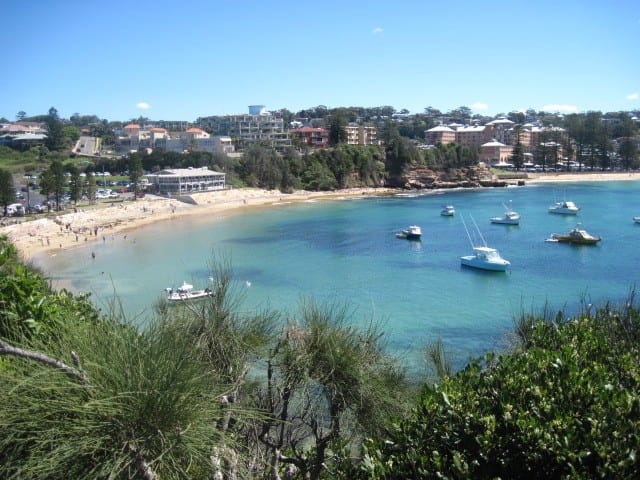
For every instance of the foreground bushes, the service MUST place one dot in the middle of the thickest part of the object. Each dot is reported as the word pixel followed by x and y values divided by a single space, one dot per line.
pixel 566 404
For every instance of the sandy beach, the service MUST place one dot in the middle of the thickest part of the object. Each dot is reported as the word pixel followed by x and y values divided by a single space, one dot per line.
pixel 92 223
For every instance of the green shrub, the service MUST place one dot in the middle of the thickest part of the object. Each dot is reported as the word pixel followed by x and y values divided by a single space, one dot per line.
pixel 565 405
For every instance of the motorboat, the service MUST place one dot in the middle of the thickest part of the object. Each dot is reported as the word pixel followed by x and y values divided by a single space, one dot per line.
pixel 414 232
pixel 510 217
pixel 578 236
pixel 186 292
pixel 483 257
pixel 448 211
pixel 636 219
pixel 564 208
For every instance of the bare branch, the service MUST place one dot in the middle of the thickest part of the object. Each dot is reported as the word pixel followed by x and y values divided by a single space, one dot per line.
pixel 7 349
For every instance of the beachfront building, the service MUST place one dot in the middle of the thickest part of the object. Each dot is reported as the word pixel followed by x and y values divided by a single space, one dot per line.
pixel 185 181
pixel 495 152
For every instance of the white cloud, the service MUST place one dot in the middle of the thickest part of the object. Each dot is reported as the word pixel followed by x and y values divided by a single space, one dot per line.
pixel 143 106
pixel 557 107
pixel 377 31
pixel 479 106
pixel 633 96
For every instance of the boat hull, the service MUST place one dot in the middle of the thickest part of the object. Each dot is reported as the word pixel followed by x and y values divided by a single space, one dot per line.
pixel 562 211
pixel 505 221
pixel 472 262
pixel 576 241
pixel 190 295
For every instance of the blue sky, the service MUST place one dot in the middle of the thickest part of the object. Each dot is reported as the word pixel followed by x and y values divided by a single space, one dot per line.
pixel 175 60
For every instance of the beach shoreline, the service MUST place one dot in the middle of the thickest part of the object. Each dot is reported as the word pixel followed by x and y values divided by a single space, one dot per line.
pixel 85 224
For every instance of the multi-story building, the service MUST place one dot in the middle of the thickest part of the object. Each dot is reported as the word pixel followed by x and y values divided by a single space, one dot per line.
pixel 313 137
pixel 259 126
pixel 472 136
pixel 440 134
pixel 134 138
pixel 361 135
pixel 495 152
pixel 499 129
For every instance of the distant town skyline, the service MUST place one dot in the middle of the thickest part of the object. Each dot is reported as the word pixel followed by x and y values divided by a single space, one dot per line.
pixel 165 61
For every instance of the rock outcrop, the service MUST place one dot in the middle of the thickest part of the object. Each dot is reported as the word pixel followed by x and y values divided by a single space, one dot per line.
pixel 420 178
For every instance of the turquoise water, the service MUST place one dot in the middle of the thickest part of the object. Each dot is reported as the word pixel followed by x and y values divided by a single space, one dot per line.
pixel 346 251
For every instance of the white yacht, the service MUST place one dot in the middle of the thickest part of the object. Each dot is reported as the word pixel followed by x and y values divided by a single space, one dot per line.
pixel 483 257
pixel 186 292
pixel 414 232
pixel 510 217
pixel 564 208
pixel 448 211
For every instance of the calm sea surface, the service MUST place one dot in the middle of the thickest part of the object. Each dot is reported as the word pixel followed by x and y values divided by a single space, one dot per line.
pixel 346 251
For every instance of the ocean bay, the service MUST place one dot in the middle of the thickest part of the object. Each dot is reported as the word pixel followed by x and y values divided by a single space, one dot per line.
pixel 346 251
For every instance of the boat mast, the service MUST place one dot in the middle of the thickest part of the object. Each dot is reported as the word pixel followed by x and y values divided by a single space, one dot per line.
pixel 478 230
pixel 467 230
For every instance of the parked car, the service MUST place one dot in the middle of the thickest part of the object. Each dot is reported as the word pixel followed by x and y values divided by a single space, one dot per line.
pixel 15 210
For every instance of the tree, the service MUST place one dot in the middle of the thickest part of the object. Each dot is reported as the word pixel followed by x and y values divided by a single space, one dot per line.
pixel 91 186
pixel 55 135
pixel 71 133
pixel 135 172
pixel 76 187
pixel 628 152
pixel 337 128
pixel 52 181
pixel 21 115
pixel 517 155
pixel 327 383
pixel 7 190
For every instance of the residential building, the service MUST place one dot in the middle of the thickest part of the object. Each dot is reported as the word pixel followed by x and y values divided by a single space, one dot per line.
pixel 499 128
pixel 361 135
pixel 23 135
pixel 313 137
pixel 439 134
pixel 259 126
pixel 185 181
pixel 495 152
pixel 180 144
pixel 472 136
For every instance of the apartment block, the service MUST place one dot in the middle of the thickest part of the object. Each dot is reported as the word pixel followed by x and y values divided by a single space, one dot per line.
pixel 361 135
pixel 247 129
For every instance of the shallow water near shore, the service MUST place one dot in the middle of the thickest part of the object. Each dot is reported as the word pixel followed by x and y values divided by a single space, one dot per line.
pixel 346 251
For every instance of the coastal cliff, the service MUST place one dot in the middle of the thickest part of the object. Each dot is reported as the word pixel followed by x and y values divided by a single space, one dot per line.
pixel 423 178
